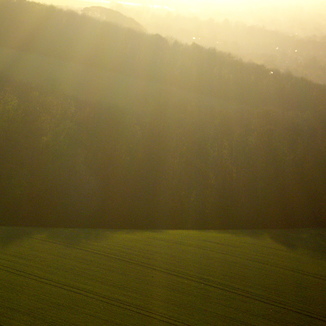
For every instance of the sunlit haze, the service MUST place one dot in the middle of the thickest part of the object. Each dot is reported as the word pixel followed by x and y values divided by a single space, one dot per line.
pixel 283 15
pixel 207 7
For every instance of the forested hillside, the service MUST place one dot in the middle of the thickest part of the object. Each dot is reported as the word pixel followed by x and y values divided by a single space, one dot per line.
pixel 303 56
pixel 103 126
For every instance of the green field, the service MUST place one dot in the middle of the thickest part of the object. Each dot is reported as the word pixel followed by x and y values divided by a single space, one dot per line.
pixel 84 277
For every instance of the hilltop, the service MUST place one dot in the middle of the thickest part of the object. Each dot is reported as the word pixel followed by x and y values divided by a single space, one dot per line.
pixel 113 16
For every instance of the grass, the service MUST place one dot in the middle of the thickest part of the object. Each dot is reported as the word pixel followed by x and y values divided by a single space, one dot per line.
pixel 84 277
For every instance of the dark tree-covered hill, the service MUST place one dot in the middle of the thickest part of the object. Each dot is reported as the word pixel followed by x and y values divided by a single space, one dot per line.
pixel 103 126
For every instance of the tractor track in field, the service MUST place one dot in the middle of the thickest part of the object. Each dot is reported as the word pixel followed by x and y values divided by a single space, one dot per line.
pixel 94 295
pixel 296 271
pixel 105 299
pixel 200 280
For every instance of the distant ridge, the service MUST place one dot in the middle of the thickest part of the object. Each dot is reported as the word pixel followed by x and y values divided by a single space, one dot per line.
pixel 113 16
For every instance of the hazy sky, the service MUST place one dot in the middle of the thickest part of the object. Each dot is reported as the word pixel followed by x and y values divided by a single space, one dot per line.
pixel 202 5
pixel 290 15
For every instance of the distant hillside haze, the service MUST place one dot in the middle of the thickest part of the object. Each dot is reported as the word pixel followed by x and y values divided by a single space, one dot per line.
pixel 106 126
pixel 300 51
pixel 112 16
pixel 290 38
pixel 300 16
pixel 78 39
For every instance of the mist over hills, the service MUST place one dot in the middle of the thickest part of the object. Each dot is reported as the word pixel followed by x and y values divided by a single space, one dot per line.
pixel 286 35
pixel 98 45
pixel 306 18
pixel 287 49
pixel 104 126
pixel 112 16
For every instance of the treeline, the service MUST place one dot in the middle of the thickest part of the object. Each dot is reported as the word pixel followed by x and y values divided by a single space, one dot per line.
pixel 238 147
pixel 67 163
